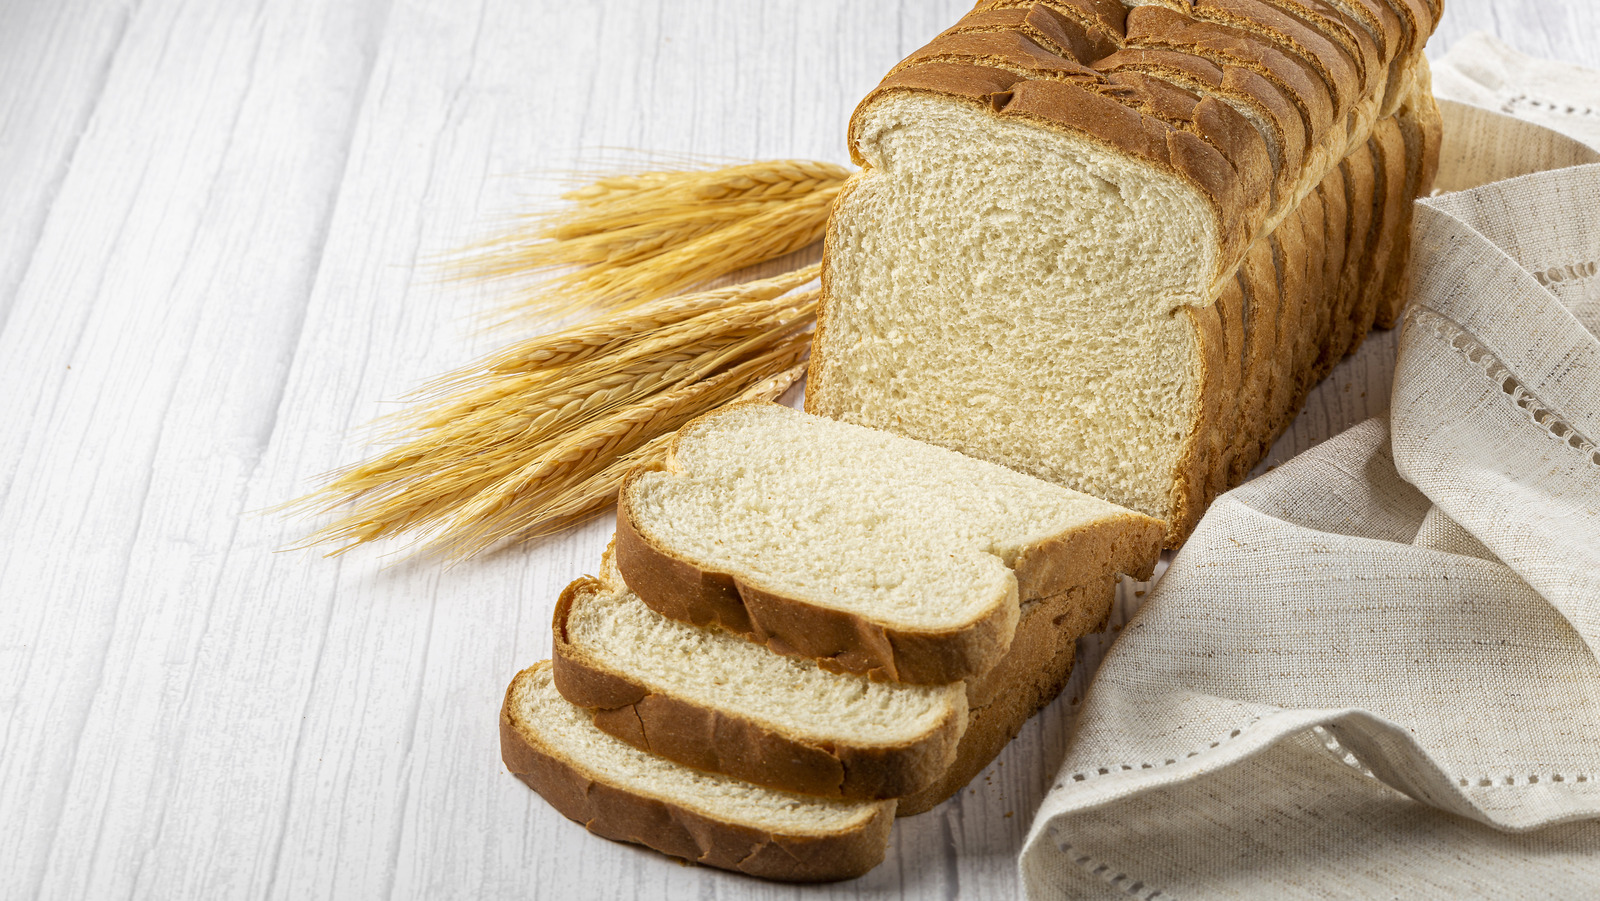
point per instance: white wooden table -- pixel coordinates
(212, 273)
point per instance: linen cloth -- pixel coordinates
(1373, 671)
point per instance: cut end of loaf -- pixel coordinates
(970, 239)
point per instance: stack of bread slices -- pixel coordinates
(803, 628)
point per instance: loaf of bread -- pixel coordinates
(625, 794)
(869, 552)
(1114, 247)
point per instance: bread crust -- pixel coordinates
(1033, 673)
(710, 739)
(1283, 132)
(616, 813)
(1309, 293)
(1421, 130)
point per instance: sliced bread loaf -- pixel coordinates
(712, 700)
(625, 794)
(871, 553)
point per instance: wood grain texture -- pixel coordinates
(215, 269)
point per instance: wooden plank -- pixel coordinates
(143, 361)
(1563, 31)
(54, 59)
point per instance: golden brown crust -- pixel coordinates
(1335, 234)
(1359, 191)
(1258, 280)
(616, 813)
(1421, 130)
(1016, 50)
(1300, 301)
(1381, 226)
(1234, 87)
(1154, 27)
(1063, 35)
(710, 739)
(1308, 216)
(1390, 146)
(1032, 674)
(1105, 18)
(1355, 27)
(1336, 62)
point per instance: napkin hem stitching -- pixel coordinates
(1540, 412)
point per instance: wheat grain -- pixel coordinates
(765, 178)
(688, 261)
(649, 362)
(446, 468)
(580, 360)
(545, 356)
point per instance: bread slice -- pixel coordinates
(1025, 268)
(625, 794)
(871, 553)
(714, 701)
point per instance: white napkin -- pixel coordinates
(1373, 672)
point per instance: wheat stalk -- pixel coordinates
(534, 395)
(598, 337)
(466, 449)
(444, 468)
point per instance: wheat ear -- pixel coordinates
(640, 237)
